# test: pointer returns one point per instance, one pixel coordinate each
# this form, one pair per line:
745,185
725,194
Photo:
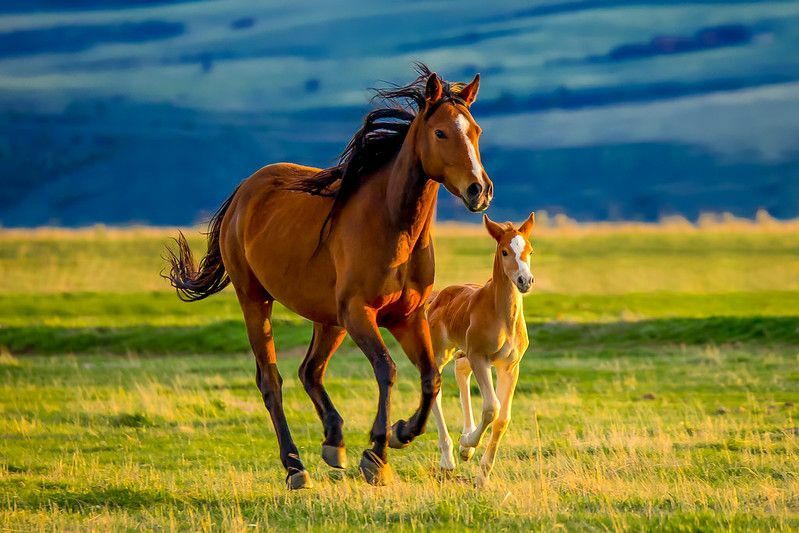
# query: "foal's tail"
190,283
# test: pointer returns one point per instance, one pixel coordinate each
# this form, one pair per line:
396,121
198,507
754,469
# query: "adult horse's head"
431,118
447,142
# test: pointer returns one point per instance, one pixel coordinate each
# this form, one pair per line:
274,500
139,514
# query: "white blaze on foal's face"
521,275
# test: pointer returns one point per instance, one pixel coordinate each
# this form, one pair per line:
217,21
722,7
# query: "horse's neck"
410,196
507,299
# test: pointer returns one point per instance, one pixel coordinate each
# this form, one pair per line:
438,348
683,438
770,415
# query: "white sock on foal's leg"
463,373
444,441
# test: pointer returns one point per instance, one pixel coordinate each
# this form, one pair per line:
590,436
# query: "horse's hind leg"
257,313
325,341
447,461
463,373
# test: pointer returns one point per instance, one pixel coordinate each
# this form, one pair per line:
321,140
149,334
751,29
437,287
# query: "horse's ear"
433,90
469,93
527,226
494,229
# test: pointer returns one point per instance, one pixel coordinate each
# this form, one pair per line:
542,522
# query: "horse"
348,248
481,326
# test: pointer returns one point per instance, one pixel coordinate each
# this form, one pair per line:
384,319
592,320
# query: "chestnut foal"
480,327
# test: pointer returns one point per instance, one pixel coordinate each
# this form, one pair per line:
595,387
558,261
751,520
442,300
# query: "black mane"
378,140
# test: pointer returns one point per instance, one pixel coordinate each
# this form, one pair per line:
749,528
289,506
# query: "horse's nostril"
474,190
490,190
521,280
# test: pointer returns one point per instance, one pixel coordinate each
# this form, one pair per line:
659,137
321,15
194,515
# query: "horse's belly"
283,256
396,308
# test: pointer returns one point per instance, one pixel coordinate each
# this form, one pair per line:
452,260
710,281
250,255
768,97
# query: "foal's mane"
378,140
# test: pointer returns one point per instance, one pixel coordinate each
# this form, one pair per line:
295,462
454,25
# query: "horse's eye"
504,253
440,134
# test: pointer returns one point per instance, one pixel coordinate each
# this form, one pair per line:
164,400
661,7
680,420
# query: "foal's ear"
469,93
433,90
527,226
494,229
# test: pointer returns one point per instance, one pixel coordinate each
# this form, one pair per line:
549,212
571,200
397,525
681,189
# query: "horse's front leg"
482,374
360,322
413,334
507,376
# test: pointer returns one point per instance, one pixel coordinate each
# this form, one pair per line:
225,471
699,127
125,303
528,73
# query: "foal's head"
513,250
447,143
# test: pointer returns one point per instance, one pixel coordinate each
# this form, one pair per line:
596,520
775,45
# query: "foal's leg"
507,376
360,322
482,373
257,313
447,461
325,341
463,373
414,336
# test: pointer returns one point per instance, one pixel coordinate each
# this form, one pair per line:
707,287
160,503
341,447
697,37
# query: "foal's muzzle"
523,284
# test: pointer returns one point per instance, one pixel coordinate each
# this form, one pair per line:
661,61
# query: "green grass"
640,437
660,392
158,323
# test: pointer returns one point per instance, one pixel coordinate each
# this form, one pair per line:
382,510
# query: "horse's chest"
509,343
404,292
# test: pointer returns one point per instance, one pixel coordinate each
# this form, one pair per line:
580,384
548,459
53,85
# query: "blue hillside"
132,111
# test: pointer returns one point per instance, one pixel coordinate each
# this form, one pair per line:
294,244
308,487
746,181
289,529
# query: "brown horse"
348,248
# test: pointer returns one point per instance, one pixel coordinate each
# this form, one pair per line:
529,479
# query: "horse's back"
449,311
276,230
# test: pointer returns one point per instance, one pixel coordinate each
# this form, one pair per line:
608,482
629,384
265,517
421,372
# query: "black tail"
190,283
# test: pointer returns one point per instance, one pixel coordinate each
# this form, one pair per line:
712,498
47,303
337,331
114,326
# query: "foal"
480,327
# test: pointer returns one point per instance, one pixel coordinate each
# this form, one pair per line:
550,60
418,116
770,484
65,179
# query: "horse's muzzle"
477,197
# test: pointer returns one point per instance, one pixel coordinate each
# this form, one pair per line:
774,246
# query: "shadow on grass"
229,336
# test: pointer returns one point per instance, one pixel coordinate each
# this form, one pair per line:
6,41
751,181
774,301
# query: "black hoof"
299,480
393,438
374,470
334,456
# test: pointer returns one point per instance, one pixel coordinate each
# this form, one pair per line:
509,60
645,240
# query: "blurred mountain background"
134,111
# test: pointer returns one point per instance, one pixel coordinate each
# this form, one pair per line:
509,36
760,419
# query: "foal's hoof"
374,470
447,464
467,440
334,456
299,480
465,453
393,437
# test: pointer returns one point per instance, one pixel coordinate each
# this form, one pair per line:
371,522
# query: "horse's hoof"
481,481
447,465
335,456
374,470
466,453
467,441
299,480
393,439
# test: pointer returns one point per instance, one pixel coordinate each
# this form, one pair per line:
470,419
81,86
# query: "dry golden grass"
603,258
613,442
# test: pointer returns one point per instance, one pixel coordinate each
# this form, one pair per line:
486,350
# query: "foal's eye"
504,253
440,134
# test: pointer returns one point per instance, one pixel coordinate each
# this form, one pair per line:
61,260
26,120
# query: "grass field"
660,392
